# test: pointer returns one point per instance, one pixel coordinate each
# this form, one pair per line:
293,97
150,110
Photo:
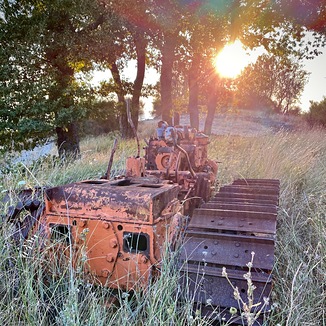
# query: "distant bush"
317,113
103,118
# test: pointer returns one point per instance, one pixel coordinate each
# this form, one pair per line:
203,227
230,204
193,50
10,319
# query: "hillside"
245,123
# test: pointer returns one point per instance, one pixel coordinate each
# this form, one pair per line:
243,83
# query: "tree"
48,42
204,28
24,117
123,36
311,14
274,81
71,36
44,40
279,31
217,93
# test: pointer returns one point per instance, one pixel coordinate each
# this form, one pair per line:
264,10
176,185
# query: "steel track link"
25,213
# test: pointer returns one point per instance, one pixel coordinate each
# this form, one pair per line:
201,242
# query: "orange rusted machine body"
179,155
126,225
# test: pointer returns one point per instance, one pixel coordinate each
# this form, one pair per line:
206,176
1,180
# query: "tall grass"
37,291
299,161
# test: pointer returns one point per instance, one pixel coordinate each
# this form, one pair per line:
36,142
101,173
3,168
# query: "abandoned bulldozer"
126,222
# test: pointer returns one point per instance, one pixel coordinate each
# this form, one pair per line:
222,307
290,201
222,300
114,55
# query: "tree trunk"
67,131
140,43
211,106
194,91
68,141
125,129
166,76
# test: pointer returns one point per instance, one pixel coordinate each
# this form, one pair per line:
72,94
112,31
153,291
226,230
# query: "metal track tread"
31,207
237,221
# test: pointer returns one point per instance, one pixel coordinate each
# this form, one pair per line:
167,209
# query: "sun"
231,60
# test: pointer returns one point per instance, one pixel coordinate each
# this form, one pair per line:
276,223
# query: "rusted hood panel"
102,199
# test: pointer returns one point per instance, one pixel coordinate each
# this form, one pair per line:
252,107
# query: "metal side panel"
228,250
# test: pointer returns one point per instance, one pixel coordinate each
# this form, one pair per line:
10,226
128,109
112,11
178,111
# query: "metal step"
247,196
253,182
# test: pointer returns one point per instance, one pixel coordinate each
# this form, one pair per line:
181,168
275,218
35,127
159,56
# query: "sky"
316,88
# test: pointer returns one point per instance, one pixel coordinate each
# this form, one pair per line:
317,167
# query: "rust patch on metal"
133,202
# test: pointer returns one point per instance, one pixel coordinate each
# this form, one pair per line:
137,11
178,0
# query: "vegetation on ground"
317,113
37,291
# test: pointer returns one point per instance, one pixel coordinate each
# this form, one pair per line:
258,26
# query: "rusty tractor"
127,221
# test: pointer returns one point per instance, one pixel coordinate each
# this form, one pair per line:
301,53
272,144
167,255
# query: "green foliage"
317,113
24,108
42,49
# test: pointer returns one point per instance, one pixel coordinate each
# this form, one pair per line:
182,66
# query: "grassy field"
35,291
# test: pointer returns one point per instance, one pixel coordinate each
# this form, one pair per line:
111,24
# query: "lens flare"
231,60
